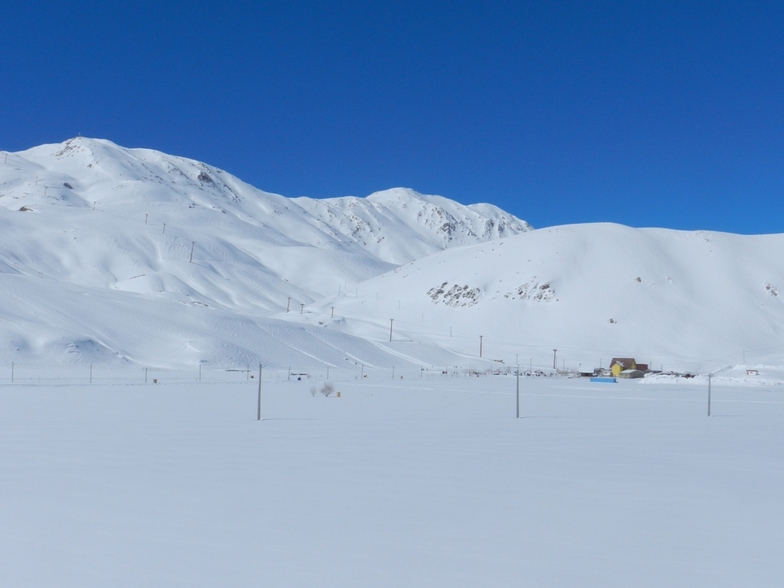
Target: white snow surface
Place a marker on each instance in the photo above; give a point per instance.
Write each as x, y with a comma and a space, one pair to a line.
425, 483
141, 291
114, 254
119, 255
692, 301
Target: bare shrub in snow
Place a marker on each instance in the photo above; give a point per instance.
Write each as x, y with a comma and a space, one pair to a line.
313, 390
327, 389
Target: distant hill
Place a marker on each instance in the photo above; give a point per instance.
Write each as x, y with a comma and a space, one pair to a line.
685, 300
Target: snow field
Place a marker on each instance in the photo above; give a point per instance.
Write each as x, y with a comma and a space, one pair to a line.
412, 483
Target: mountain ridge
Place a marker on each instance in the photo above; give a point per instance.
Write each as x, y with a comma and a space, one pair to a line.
91, 215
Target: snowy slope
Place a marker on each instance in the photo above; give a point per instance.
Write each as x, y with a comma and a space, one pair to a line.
114, 254
429, 221
687, 300
179, 241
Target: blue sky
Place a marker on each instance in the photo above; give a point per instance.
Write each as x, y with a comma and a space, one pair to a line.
645, 113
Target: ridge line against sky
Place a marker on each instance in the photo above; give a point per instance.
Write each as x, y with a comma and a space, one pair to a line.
647, 114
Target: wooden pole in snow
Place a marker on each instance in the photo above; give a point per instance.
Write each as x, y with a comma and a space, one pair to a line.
518, 392
258, 406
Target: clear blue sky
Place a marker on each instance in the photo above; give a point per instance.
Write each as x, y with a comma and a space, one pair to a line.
644, 113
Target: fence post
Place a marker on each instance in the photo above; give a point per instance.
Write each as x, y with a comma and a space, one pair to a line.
258, 406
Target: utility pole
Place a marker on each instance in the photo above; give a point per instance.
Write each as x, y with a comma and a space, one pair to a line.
709, 392
193, 244
258, 406
301, 308
288, 304
333, 313
555, 361
480, 344
145, 217
518, 392
390, 331
164, 229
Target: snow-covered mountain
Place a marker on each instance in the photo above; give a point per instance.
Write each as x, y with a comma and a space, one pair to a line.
685, 300
132, 253
114, 254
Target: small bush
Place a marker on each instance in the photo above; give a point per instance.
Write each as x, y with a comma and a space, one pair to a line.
327, 389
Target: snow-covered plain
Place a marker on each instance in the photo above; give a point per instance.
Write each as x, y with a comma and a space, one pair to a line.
413, 482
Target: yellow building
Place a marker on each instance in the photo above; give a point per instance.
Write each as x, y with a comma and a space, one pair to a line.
619, 364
